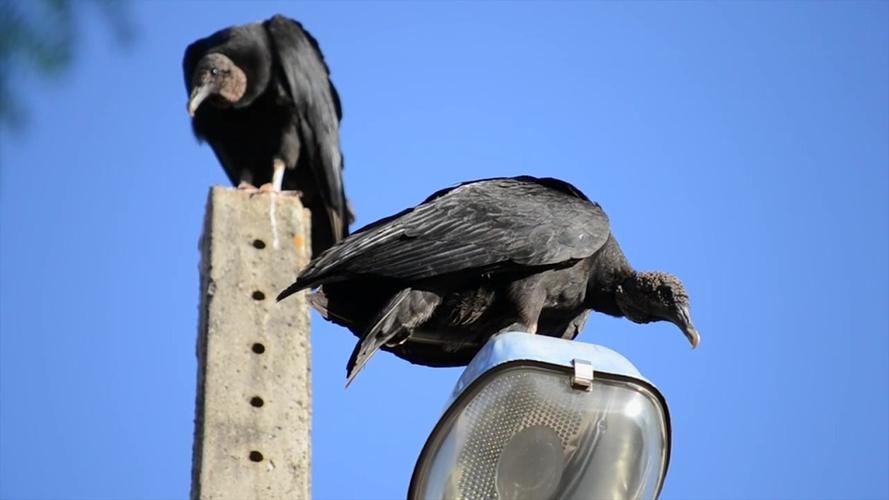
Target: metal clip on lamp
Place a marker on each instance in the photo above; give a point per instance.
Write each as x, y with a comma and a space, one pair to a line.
537, 418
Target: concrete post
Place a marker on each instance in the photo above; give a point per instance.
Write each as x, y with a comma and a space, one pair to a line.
253, 408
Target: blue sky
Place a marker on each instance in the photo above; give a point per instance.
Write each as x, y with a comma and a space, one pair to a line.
742, 146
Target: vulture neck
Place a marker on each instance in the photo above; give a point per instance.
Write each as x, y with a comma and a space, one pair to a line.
609, 269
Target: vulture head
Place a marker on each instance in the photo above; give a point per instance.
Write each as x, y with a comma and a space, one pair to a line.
217, 80
656, 296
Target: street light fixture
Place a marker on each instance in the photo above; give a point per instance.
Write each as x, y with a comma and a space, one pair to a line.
537, 418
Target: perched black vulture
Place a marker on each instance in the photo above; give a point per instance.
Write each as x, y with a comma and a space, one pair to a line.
431, 284
261, 95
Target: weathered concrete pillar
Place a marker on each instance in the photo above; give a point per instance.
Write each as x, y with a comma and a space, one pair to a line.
253, 408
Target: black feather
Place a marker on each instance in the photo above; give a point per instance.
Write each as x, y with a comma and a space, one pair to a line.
432, 283
289, 110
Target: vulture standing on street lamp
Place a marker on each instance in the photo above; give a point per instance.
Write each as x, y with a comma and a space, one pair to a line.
433, 283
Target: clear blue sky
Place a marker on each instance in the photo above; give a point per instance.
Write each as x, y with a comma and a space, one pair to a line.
742, 146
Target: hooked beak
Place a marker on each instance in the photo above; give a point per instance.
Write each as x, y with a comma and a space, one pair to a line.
198, 94
683, 321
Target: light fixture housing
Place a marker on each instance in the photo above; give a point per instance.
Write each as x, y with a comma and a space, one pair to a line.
536, 418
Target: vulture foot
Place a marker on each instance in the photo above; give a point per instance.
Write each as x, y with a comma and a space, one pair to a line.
519, 327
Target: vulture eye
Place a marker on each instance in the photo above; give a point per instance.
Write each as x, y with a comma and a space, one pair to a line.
214, 71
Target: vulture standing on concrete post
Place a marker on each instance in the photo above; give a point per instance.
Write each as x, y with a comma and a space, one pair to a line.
260, 94
431, 284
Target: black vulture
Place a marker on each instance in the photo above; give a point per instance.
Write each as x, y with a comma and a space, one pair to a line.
431, 284
261, 95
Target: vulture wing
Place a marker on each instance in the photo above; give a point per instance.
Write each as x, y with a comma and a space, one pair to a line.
318, 105
489, 225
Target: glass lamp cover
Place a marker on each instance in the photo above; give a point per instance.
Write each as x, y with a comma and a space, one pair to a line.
521, 432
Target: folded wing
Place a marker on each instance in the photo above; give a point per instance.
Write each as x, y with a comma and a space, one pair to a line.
486, 226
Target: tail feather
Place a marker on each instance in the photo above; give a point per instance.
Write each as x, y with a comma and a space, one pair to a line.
376, 336
318, 300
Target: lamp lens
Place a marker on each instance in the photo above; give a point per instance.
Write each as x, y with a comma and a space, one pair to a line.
531, 465
522, 433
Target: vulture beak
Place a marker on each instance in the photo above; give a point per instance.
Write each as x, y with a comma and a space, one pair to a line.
198, 94
683, 321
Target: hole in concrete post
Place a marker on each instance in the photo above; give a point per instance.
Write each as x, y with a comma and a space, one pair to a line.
258, 348
257, 243
256, 456
257, 295
257, 401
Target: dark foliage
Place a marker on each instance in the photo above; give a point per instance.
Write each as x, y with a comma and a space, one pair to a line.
42, 37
